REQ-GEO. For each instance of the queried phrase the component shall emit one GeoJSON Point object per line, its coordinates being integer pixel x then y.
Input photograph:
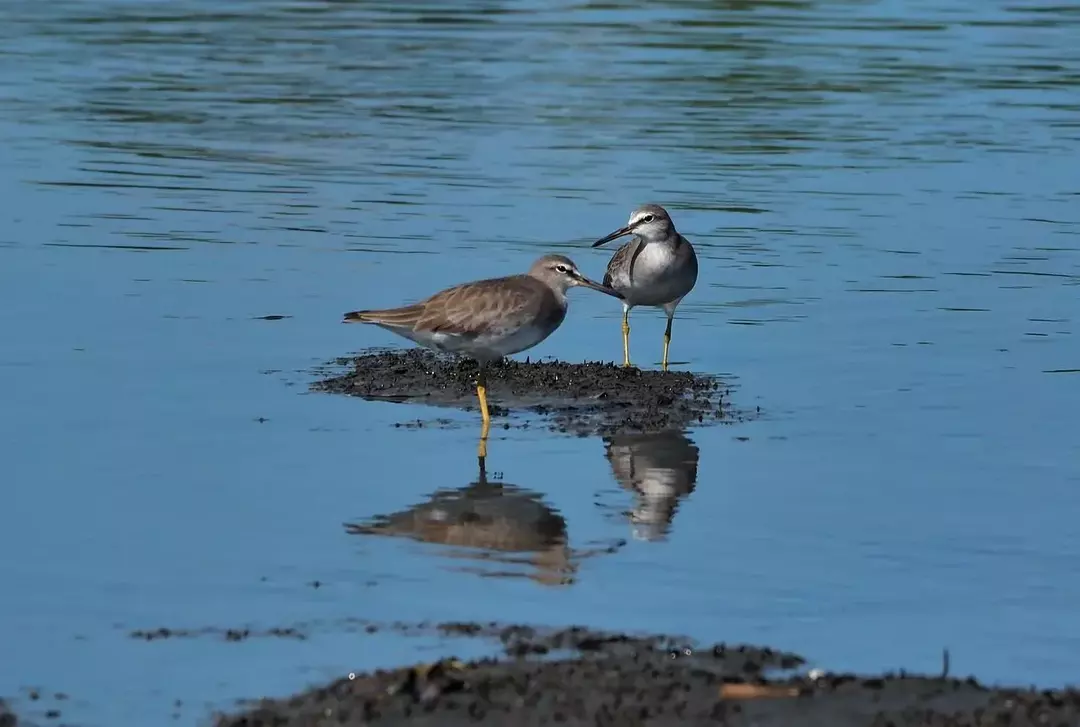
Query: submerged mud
{"type": "Point", "coordinates": [7, 719]}
{"type": "Point", "coordinates": [615, 679]}
{"type": "Point", "coordinates": [582, 398]}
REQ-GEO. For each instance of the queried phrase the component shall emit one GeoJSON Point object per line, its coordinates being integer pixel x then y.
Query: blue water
{"type": "Point", "coordinates": [885, 203]}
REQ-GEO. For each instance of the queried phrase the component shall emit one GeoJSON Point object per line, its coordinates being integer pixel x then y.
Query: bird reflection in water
{"type": "Point", "coordinates": [495, 522]}
{"type": "Point", "coordinates": [660, 468]}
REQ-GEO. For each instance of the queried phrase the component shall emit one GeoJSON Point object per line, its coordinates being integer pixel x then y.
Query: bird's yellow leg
{"type": "Point", "coordinates": [485, 416]}
{"type": "Point", "coordinates": [481, 450]}
{"type": "Point", "coordinates": [667, 341]}
{"type": "Point", "coordinates": [626, 335]}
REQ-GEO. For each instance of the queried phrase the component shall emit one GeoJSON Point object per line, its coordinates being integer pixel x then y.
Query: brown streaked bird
{"type": "Point", "coordinates": [488, 319]}
{"type": "Point", "coordinates": [657, 268]}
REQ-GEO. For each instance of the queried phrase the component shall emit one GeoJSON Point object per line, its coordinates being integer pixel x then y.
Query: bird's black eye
{"type": "Point", "coordinates": [562, 269]}
{"type": "Point", "coordinates": [647, 218]}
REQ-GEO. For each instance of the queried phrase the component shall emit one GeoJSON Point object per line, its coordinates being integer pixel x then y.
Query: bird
{"type": "Point", "coordinates": [488, 319]}
{"type": "Point", "coordinates": [657, 268]}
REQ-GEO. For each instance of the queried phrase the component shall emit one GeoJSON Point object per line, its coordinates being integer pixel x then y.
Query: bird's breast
{"type": "Point", "coordinates": [659, 274]}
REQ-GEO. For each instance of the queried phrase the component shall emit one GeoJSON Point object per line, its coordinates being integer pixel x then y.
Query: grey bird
{"type": "Point", "coordinates": [657, 268]}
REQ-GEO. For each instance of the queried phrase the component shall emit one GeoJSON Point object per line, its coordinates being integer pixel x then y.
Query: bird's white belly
{"type": "Point", "coordinates": [489, 346]}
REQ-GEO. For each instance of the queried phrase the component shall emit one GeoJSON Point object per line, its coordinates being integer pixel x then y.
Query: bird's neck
{"type": "Point", "coordinates": [671, 242]}
{"type": "Point", "coordinates": [559, 293]}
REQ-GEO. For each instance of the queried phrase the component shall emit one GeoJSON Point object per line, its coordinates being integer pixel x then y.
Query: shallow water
{"type": "Point", "coordinates": [885, 203]}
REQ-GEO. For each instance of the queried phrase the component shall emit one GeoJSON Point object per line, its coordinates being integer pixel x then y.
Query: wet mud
{"type": "Point", "coordinates": [588, 398]}
{"type": "Point", "coordinates": [7, 719]}
{"type": "Point", "coordinates": [38, 706]}
{"type": "Point", "coordinates": [226, 634]}
{"type": "Point", "coordinates": [582, 677]}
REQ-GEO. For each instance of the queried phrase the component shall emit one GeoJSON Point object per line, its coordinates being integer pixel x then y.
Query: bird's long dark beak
{"type": "Point", "coordinates": [586, 282]}
{"type": "Point", "coordinates": [614, 235]}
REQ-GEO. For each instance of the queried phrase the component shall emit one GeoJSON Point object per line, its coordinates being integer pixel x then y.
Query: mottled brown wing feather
{"type": "Point", "coordinates": [473, 309]}
{"type": "Point", "coordinates": [469, 309]}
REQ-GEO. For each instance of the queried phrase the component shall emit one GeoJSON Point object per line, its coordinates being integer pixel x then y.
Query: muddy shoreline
{"type": "Point", "coordinates": [589, 398]}
{"type": "Point", "coordinates": [583, 677]}
{"type": "Point", "coordinates": [7, 719]}
{"type": "Point", "coordinates": [580, 676]}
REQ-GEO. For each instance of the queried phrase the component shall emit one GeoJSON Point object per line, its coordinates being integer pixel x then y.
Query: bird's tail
{"type": "Point", "coordinates": [358, 316]}
{"type": "Point", "coordinates": [395, 317]}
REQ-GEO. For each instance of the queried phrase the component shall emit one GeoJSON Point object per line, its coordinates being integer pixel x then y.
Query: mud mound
{"type": "Point", "coordinates": [588, 398]}
{"type": "Point", "coordinates": [617, 679]}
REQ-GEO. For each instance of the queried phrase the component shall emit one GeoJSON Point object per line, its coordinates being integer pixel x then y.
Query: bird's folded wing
{"type": "Point", "coordinates": [475, 309]}
{"type": "Point", "coordinates": [621, 264]}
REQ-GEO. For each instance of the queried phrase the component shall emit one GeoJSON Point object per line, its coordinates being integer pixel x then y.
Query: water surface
{"type": "Point", "coordinates": [885, 203]}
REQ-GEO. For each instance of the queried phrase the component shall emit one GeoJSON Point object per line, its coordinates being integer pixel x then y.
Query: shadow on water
{"type": "Point", "coordinates": [491, 522]}
{"type": "Point", "coordinates": [660, 469]}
